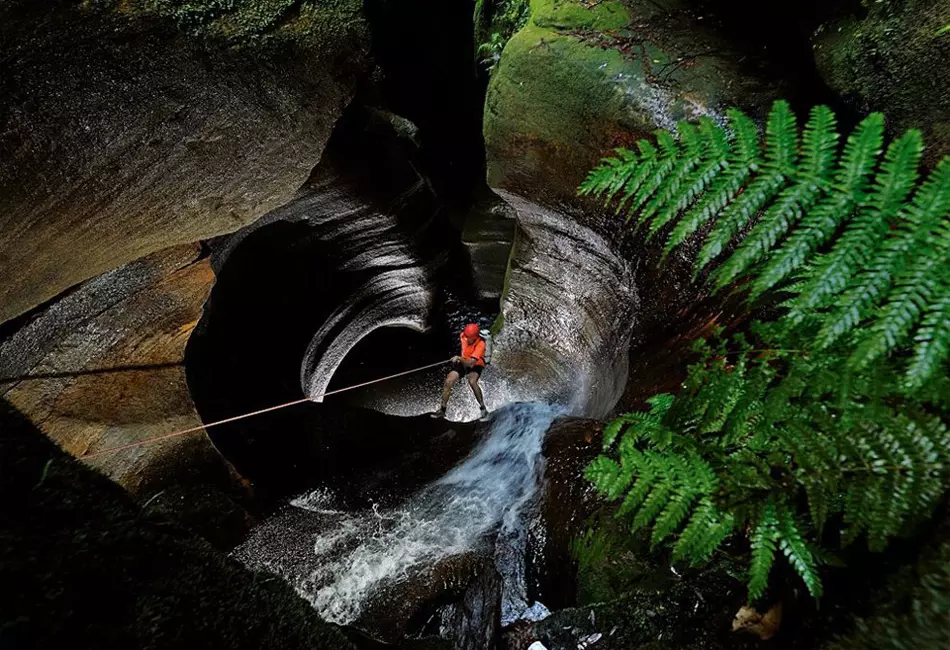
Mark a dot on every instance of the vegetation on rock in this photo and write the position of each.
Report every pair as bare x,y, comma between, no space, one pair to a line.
826,421
244,22
495,23
892,58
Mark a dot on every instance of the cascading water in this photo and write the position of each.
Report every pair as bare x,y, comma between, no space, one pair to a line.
568,311
356,554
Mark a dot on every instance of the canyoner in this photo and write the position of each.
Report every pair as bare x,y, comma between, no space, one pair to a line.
474,356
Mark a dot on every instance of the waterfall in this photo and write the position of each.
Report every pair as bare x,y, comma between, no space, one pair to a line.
569,311
359,553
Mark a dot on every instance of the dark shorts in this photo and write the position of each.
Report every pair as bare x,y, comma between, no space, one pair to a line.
463,371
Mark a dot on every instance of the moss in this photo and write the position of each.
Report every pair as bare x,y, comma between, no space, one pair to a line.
574,14
556,100
93,570
252,22
550,84
893,60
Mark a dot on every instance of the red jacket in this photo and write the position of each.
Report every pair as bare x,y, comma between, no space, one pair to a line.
474,351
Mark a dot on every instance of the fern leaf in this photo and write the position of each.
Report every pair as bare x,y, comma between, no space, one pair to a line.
641,489
764,540
797,551
932,342
921,283
603,472
665,164
657,500
713,537
611,431
703,518
892,186
781,138
691,150
848,190
672,516
818,148
715,152
929,206
738,167
647,165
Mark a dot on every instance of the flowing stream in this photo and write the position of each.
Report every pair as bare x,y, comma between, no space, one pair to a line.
359,553
569,311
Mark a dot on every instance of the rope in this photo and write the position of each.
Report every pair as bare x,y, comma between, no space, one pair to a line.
202,427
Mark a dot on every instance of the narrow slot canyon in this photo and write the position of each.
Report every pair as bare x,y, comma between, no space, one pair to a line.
243,241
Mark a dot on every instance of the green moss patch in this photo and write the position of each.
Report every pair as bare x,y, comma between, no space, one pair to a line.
245,22
574,14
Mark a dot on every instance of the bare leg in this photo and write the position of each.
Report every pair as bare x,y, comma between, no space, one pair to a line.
450,380
473,382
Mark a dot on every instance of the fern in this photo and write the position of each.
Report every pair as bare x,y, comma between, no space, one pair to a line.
754,441
829,420
781,137
846,191
855,261
764,541
830,273
739,164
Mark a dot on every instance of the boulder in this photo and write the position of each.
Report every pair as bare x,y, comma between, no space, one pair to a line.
584,77
131,127
893,60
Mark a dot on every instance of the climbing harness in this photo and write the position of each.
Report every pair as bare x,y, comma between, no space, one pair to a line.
202,427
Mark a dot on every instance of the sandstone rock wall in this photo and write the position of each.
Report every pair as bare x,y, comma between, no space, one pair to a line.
130,127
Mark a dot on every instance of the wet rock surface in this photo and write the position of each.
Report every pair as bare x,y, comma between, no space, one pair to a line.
123,133
690,612
103,367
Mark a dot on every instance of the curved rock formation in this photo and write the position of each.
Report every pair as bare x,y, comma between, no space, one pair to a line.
130,127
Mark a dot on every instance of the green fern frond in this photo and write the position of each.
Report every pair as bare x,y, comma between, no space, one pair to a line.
605,473
818,147
928,208
608,178
796,550
647,165
738,166
658,176
691,151
832,272
932,342
654,504
781,138
704,517
764,542
844,195
713,161
920,285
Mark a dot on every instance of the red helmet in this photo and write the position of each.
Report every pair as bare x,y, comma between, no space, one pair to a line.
471,330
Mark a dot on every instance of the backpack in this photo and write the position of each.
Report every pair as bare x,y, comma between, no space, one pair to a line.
486,336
